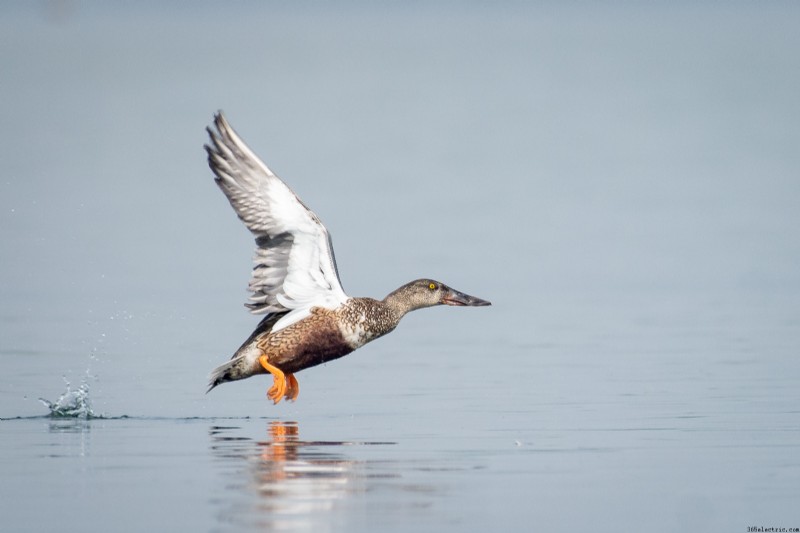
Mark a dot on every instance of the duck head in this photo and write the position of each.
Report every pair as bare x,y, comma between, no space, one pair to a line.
427,293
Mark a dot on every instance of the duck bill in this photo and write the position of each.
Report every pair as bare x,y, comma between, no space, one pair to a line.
454,297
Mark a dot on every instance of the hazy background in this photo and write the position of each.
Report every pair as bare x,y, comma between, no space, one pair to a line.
621,180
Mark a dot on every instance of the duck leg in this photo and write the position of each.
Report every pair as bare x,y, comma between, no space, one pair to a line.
278,389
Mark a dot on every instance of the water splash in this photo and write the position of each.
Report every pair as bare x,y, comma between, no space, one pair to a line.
76,404
72,403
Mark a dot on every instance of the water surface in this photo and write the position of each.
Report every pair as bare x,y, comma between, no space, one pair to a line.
621,182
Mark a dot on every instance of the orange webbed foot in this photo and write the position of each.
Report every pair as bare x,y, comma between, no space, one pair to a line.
278,389
292,388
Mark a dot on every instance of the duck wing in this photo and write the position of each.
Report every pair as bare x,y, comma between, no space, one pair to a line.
295,268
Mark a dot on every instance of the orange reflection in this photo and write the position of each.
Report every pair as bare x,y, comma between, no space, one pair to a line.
284,438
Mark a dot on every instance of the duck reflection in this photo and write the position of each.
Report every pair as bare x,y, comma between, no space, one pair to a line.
299,476
297,483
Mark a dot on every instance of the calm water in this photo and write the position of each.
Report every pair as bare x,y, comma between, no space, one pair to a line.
622,183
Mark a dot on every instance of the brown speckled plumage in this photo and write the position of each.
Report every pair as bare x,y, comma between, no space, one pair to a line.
315,340
324,336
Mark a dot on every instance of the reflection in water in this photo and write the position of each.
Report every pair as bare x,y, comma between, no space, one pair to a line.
291,484
293,480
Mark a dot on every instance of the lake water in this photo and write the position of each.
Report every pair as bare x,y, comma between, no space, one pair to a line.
621,182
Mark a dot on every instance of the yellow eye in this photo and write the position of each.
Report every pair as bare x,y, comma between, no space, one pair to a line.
432,286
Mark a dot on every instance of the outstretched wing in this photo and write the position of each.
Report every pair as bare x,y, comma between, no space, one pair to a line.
295,268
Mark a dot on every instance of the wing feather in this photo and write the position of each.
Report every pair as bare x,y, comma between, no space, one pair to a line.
295,268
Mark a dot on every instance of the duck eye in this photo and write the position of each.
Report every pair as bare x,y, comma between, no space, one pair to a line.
432,286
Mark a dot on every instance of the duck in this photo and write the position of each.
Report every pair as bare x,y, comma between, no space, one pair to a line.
309,319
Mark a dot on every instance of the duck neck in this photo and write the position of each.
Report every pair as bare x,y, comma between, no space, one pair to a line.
400,303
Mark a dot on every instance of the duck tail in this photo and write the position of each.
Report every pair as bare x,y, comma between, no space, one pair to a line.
221,374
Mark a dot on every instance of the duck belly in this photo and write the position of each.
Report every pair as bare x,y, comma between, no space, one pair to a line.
310,342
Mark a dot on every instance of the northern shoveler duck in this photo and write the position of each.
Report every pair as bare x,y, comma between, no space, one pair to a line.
309,318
